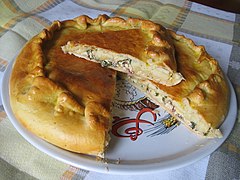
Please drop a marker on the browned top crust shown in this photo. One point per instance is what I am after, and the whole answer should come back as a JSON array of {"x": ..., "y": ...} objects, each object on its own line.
[
  {"x": 133, "y": 36},
  {"x": 148, "y": 42},
  {"x": 60, "y": 98}
]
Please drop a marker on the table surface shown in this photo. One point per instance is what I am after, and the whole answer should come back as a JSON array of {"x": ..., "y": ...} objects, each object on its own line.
[{"x": 215, "y": 29}]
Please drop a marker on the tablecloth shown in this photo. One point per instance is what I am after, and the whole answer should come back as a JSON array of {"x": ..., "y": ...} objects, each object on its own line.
[{"x": 217, "y": 30}]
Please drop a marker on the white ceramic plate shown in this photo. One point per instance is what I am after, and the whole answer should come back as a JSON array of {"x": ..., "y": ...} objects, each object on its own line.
[{"x": 141, "y": 142}]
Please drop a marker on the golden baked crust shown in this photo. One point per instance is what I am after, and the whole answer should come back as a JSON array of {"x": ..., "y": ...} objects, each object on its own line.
[
  {"x": 134, "y": 46},
  {"x": 60, "y": 98},
  {"x": 201, "y": 101}
]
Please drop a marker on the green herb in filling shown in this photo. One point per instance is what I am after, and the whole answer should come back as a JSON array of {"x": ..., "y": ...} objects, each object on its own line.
[
  {"x": 90, "y": 54},
  {"x": 105, "y": 63},
  {"x": 192, "y": 125},
  {"x": 124, "y": 62}
]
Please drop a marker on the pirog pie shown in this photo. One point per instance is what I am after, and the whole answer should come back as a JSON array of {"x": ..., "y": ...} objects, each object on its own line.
[{"x": 66, "y": 100}]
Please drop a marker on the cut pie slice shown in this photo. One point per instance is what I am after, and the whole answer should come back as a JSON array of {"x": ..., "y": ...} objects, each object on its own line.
[
  {"x": 201, "y": 101},
  {"x": 60, "y": 98},
  {"x": 137, "y": 47}
]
